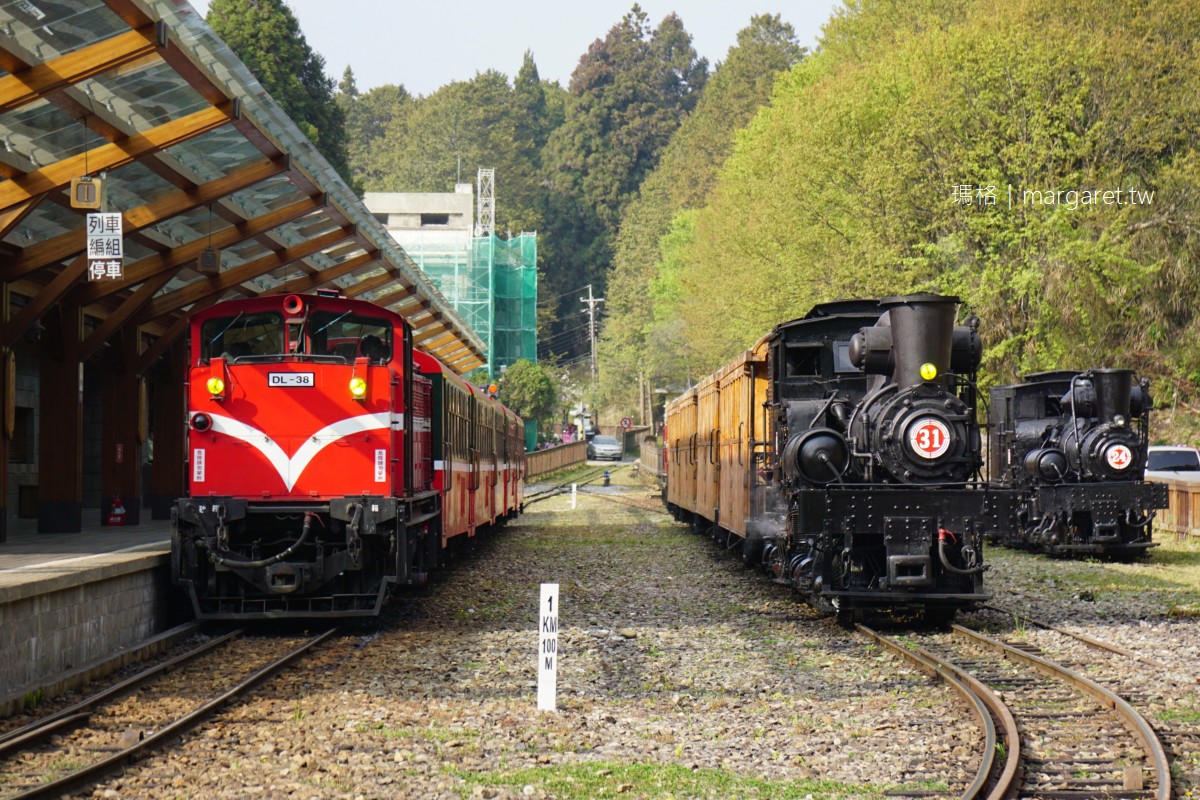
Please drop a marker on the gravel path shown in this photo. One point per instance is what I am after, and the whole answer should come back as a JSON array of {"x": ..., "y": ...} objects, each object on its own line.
[{"x": 682, "y": 674}]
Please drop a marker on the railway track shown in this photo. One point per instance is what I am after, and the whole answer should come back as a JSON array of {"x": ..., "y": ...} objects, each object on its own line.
[
  {"x": 1050, "y": 733},
  {"x": 1109, "y": 664},
  {"x": 78, "y": 745},
  {"x": 579, "y": 482},
  {"x": 644, "y": 504}
]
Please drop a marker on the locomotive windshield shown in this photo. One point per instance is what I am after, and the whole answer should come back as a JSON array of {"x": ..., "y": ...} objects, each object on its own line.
[
  {"x": 326, "y": 336},
  {"x": 350, "y": 335},
  {"x": 242, "y": 334}
]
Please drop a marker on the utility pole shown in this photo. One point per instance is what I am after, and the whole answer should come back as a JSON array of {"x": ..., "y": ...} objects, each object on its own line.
[{"x": 591, "y": 304}]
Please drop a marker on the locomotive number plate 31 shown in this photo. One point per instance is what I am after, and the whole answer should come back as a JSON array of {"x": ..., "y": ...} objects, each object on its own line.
[
  {"x": 290, "y": 379},
  {"x": 929, "y": 438}
]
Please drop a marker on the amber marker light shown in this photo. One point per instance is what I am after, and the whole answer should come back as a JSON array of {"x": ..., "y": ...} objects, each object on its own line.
[
  {"x": 358, "y": 387},
  {"x": 216, "y": 386},
  {"x": 928, "y": 371}
]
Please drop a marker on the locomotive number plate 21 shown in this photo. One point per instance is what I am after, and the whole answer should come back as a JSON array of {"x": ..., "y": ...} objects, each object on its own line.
[{"x": 290, "y": 379}]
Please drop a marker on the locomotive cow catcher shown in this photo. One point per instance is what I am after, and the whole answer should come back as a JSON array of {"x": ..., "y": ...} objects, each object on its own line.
[
  {"x": 328, "y": 461},
  {"x": 1073, "y": 446},
  {"x": 842, "y": 453}
]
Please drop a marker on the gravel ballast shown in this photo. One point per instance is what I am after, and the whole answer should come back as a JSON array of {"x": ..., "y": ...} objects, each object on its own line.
[{"x": 682, "y": 674}]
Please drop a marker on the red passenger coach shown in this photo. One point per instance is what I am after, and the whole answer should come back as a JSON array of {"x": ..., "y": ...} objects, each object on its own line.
[{"x": 328, "y": 461}]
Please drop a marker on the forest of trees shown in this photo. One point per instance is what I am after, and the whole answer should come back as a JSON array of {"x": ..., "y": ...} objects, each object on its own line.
[{"x": 943, "y": 145}]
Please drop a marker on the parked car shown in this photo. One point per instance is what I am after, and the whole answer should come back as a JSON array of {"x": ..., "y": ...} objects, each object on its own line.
[
  {"x": 1173, "y": 463},
  {"x": 604, "y": 447}
]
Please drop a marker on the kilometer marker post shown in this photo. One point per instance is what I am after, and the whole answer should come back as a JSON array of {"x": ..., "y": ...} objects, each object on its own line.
[{"x": 547, "y": 654}]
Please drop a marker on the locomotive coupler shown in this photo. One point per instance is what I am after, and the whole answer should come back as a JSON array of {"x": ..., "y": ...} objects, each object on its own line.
[
  {"x": 222, "y": 529},
  {"x": 353, "y": 541}
]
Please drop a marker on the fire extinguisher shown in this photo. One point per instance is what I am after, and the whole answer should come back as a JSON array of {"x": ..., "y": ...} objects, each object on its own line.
[{"x": 116, "y": 516}]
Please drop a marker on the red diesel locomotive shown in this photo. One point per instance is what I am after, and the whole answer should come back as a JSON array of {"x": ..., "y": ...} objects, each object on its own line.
[{"x": 328, "y": 461}]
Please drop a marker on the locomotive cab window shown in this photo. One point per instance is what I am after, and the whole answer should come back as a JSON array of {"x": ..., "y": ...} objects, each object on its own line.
[
  {"x": 241, "y": 336},
  {"x": 802, "y": 360},
  {"x": 351, "y": 336},
  {"x": 841, "y": 358}
]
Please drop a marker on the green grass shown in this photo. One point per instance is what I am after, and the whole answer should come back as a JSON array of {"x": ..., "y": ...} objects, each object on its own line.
[
  {"x": 1172, "y": 571},
  {"x": 606, "y": 779},
  {"x": 1180, "y": 715},
  {"x": 563, "y": 475}
]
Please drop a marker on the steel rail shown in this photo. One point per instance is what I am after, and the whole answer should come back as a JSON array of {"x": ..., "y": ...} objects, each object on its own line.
[
  {"x": 560, "y": 488},
  {"x": 1107, "y": 698},
  {"x": 1090, "y": 641},
  {"x": 68, "y": 782},
  {"x": 985, "y": 706},
  {"x": 78, "y": 712}
]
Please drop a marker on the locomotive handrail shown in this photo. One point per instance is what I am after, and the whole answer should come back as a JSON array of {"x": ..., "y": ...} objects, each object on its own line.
[{"x": 448, "y": 464}]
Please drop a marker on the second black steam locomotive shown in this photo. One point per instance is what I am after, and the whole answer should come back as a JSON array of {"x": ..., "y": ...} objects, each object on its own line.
[
  {"x": 843, "y": 453},
  {"x": 1072, "y": 446}
]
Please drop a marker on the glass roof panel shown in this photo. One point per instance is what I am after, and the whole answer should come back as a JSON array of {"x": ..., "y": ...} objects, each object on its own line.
[
  {"x": 134, "y": 185},
  {"x": 44, "y": 133},
  {"x": 50, "y": 28},
  {"x": 189, "y": 226},
  {"x": 146, "y": 96},
  {"x": 267, "y": 195},
  {"x": 215, "y": 154},
  {"x": 245, "y": 251},
  {"x": 134, "y": 251},
  {"x": 47, "y": 221}
]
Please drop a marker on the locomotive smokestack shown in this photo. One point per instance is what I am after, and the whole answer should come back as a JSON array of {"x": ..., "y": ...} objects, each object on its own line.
[
  {"x": 922, "y": 333},
  {"x": 1113, "y": 390}
]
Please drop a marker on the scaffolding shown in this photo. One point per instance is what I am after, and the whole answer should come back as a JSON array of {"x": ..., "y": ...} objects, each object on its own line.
[
  {"x": 513, "y": 267},
  {"x": 492, "y": 285}
]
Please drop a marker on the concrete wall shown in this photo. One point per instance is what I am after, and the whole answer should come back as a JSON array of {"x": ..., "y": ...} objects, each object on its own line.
[
  {"x": 403, "y": 210},
  {"x": 57, "y": 625}
]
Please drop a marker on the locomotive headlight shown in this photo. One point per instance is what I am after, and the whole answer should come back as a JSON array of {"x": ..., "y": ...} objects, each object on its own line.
[
  {"x": 215, "y": 386},
  {"x": 358, "y": 387},
  {"x": 1119, "y": 421},
  {"x": 928, "y": 371}
]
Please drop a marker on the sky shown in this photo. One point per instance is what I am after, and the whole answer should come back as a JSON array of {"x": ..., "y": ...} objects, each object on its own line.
[{"x": 424, "y": 45}]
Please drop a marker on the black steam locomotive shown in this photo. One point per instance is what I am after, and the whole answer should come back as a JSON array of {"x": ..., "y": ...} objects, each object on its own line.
[
  {"x": 864, "y": 491},
  {"x": 1072, "y": 445}
]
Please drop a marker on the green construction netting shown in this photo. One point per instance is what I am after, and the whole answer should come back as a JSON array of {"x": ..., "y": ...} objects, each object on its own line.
[{"x": 492, "y": 284}]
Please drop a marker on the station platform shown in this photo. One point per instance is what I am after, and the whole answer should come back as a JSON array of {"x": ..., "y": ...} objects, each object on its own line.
[{"x": 70, "y": 600}]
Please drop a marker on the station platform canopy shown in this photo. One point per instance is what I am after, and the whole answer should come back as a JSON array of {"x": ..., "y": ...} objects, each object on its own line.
[{"x": 195, "y": 156}]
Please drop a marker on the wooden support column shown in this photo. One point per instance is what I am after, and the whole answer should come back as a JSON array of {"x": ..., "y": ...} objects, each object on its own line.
[
  {"x": 121, "y": 414},
  {"x": 8, "y": 391},
  {"x": 60, "y": 425},
  {"x": 167, "y": 380}
]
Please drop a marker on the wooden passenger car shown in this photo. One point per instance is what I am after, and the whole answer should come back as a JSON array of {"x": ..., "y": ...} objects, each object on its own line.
[{"x": 715, "y": 438}]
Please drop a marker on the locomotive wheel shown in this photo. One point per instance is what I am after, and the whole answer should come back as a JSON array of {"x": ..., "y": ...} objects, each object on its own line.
[
  {"x": 752, "y": 552},
  {"x": 939, "y": 617},
  {"x": 847, "y": 617}
]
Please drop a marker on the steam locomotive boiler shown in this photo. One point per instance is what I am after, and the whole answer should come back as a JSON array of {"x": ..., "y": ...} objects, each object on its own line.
[
  {"x": 842, "y": 454},
  {"x": 1072, "y": 445}
]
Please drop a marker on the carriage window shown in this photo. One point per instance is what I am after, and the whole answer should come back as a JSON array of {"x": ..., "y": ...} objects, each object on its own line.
[
  {"x": 342, "y": 333},
  {"x": 243, "y": 334}
]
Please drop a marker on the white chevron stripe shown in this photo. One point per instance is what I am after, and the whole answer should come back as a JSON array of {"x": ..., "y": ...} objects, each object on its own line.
[{"x": 290, "y": 469}]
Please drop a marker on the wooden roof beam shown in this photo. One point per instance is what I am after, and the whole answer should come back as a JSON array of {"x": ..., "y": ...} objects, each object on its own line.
[
  {"x": 230, "y": 278},
  {"x": 187, "y": 253},
  {"x": 110, "y": 156},
  {"x": 27, "y": 85},
  {"x": 367, "y": 285},
  {"x": 71, "y": 243},
  {"x": 328, "y": 274}
]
